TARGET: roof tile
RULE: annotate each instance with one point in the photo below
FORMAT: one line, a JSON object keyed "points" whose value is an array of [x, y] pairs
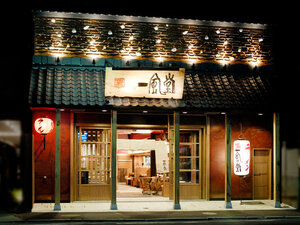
{"points": [[206, 90]]}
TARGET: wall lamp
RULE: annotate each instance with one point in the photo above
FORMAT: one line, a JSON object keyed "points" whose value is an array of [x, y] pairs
{"points": [[43, 126]]}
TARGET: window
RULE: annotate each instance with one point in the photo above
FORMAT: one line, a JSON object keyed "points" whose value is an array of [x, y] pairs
{"points": [[189, 157]]}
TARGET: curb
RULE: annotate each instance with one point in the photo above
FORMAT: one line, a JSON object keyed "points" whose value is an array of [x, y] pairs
{"points": [[20, 221]]}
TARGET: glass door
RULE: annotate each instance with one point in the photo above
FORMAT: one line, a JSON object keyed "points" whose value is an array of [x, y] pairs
{"points": [[94, 163], [190, 151]]}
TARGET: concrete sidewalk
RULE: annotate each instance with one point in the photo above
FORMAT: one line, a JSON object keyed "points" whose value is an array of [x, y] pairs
{"points": [[128, 205], [175, 216], [99, 212]]}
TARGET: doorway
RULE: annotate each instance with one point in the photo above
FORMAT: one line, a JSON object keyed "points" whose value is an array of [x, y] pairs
{"points": [[262, 174], [93, 163], [144, 167], [142, 164]]}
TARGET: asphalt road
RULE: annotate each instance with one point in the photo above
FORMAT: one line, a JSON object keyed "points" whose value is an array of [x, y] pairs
{"points": [[213, 222]]}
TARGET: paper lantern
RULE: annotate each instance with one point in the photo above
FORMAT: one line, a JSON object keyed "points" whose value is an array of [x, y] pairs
{"points": [[241, 157], [43, 125]]}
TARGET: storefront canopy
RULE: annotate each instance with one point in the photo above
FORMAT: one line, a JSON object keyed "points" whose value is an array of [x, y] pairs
{"points": [[69, 87]]}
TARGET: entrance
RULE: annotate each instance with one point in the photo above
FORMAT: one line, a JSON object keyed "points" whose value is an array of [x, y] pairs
{"points": [[262, 174], [93, 161], [144, 161], [142, 164]]}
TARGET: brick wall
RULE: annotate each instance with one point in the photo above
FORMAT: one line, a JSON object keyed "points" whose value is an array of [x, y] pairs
{"points": [[82, 37]]}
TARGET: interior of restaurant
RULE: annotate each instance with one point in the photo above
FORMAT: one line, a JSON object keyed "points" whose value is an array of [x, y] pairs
{"points": [[142, 163]]}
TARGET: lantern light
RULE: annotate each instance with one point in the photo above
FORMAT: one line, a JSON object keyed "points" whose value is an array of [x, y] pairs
{"points": [[241, 157], [43, 126]]}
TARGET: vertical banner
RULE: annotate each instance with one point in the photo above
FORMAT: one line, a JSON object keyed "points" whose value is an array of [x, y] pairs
{"points": [[241, 151]]}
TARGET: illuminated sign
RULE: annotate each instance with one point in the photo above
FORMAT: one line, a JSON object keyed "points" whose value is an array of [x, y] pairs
{"points": [[144, 83], [43, 125], [241, 151]]}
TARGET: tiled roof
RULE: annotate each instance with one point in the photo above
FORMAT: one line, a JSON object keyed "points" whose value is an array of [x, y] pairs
{"points": [[203, 90]]}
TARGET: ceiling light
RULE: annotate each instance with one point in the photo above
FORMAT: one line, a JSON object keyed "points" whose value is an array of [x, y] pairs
{"points": [[74, 31], [122, 26], [206, 37], [145, 111], [131, 38], [53, 20], [156, 28], [218, 31], [158, 41], [185, 32], [174, 49], [86, 27], [109, 32], [241, 30]]}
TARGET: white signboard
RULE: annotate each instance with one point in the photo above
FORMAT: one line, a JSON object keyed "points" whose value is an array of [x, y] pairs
{"points": [[144, 83], [241, 151], [161, 156]]}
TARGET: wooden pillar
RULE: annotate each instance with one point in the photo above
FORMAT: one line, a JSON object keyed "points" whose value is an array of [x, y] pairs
{"points": [[114, 160], [57, 161], [176, 160], [228, 161], [277, 160]]}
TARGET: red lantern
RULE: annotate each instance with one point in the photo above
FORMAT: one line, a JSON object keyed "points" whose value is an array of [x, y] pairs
{"points": [[43, 125]]}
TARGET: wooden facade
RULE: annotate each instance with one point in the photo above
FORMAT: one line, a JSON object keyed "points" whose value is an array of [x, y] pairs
{"points": [[257, 129], [69, 74]]}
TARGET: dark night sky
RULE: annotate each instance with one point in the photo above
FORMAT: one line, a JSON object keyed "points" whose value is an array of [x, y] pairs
{"points": [[16, 35]]}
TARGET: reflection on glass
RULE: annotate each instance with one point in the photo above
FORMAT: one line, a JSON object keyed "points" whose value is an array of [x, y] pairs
{"points": [[191, 177], [189, 157]]}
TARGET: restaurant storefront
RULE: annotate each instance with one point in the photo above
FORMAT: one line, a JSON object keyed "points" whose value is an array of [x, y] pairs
{"points": [[166, 109]]}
